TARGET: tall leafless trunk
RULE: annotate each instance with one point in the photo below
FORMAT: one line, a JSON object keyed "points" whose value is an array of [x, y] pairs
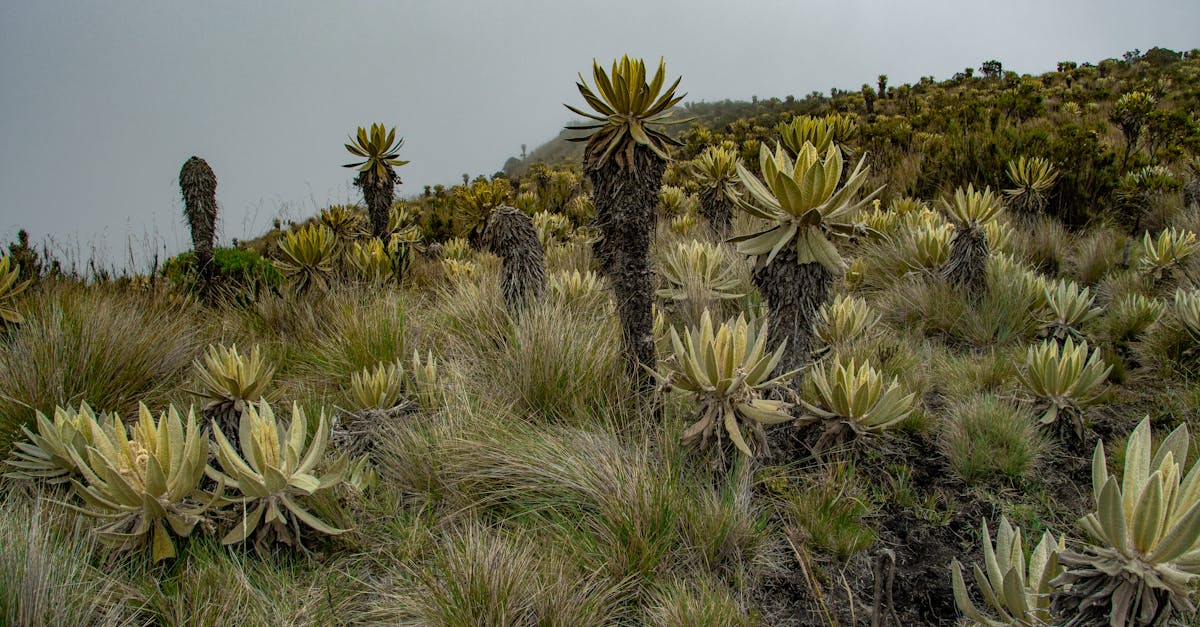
{"points": [[510, 235], [199, 186]]}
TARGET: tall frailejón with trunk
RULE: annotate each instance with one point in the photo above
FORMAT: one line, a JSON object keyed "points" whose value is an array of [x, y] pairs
{"points": [[199, 187], [377, 178], [510, 235], [625, 157], [794, 259]]}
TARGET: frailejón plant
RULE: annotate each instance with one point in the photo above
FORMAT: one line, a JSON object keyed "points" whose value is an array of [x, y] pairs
{"points": [[380, 153], [728, 369], [231, 382], [853, 400], [10, 287], [1063, 378], [1068, 308], [625, 157], [1016, 588], [273, 473], [971, 210], [804, 204], [1143, 560], [307, 256], [46, 455], [145, 481]]}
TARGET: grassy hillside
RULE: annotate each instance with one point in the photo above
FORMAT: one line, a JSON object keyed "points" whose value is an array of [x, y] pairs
{"points": [[451, 459]]}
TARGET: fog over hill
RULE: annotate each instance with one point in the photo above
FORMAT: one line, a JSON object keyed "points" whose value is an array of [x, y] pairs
{"points": [[102, 103]]}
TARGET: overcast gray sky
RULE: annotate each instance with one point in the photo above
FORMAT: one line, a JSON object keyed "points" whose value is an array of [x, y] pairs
{"points": [[102, 102]]}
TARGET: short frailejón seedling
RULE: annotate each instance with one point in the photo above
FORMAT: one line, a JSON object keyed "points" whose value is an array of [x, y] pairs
{"points": [[853, 400], [273, 474], [1015, 586], [146, 481], [1063, 378], [1144, 556], [46, 456], [728, 369], [230, 382]]}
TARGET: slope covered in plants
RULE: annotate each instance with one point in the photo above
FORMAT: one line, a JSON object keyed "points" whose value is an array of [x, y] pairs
{"points": [[906, 355]]}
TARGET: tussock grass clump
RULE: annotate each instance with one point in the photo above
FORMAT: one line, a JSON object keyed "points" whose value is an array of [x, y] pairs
{"points": [[483, 575], [919, 248], [723, 530], [1006, 313], [964, 374], [558, 364], [1044, 245], [924, 307], [215, 586], [984, 436], [468, 317], [627, 495], [286, 318], [1096, 254], [828, 511], [410, 457], [46, 577], [559, 361], [703, 602], [359, 332], [111, 349], [620, 505]]}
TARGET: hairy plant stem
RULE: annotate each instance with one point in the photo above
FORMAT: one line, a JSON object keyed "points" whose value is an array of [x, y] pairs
{"points": [[379, 195], [199, 186], [625, 199], [718, 210], [509, 233], [966, 268], [793, 293]]}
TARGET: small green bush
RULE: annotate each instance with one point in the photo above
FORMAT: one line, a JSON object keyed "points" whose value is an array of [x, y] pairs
{"points": [[240, 271]]}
